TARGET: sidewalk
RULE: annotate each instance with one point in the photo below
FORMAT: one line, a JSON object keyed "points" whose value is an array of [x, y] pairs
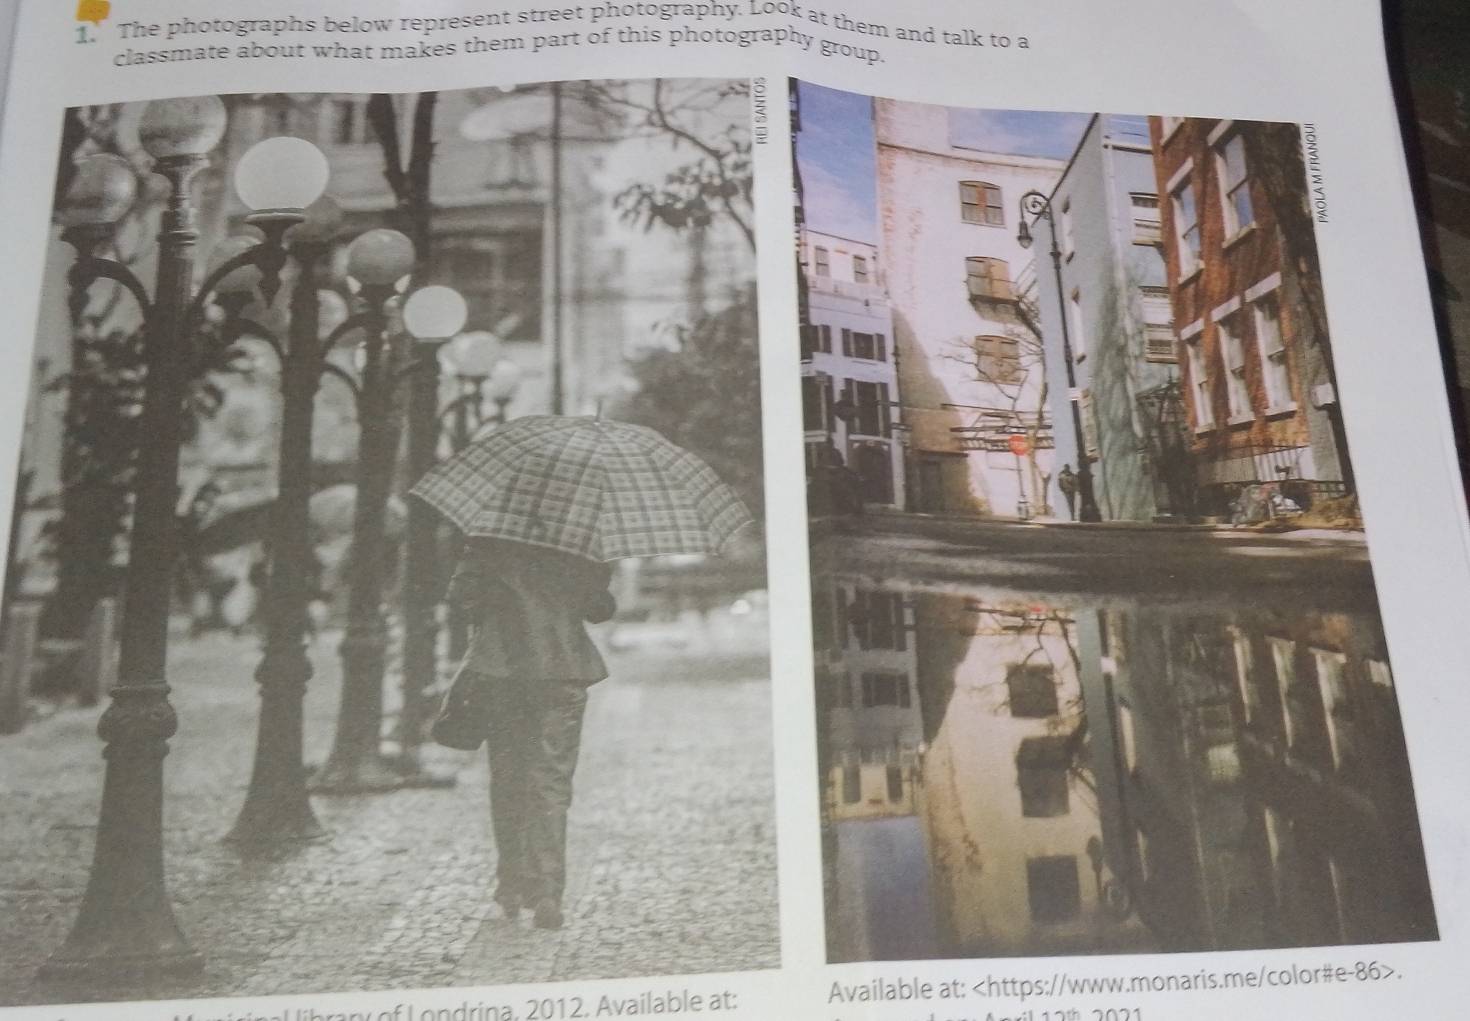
{"points": [[672, 853]]}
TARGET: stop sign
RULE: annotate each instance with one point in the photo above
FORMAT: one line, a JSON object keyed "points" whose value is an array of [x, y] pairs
{"points": [[1019, 446]]}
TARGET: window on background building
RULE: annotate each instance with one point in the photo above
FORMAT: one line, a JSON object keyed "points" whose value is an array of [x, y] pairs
{"points": [[1232, 355], [1275, 370], [1158, 325], [859, 269], [895, 783], [872, 347], [1041, 776], [1147, 228], [873, 461], [1283, 657], [989, 278], [822, 261], [1053, 888], [1235, 189], [1079, 325], [882, 688], [1332, 684], [816, 399], [982, 203], [1199, 384], [1069, 237], [1031, 690], [877, 620], [841, 689], [871, 403], [1186, 228], [998, 359]]}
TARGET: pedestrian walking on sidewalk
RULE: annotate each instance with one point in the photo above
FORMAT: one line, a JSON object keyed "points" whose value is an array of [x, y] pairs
{"points": [[522, 688], [1067, 483], [546, 503]]}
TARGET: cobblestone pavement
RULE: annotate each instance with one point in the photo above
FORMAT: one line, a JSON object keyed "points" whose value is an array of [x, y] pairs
{"points": [[672, 862]]}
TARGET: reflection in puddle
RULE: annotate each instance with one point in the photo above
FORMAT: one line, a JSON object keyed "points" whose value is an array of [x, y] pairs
{"points": [[1004, 776]]}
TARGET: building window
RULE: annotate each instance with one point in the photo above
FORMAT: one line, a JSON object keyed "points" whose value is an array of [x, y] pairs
{"points": [[1275, 370], [1128, 738], [815, 337], [1053, 888], [1283, 657], [885, 689], [998, 359], [870, 408], [988, 278], [981, 203], [1186, 228], [877, 620], [873, 461], [1235, 189], [1232, 355], [895, 783], [1031, 690], [1332, 684], [841, 690], [859, 269], [1158, 325], [1041, 776], [1069, 238], [871, 347], [1199, 385], [1079, 326], [822, 260], [816, 403], [1146, 226]]}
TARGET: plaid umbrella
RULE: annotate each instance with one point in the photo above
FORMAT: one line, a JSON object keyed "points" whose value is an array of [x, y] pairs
{"points": [[604, 490]]}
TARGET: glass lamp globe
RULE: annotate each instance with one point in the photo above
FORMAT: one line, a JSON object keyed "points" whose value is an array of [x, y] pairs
{"points": [[472, 355], [242, 280], [435, 312], [380, 257], [503, 381], [103, 190], [182, 127], [281, 173]]}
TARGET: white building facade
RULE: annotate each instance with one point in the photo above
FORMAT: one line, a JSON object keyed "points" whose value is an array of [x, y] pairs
{"points": [[849, 373], [969, 354]]}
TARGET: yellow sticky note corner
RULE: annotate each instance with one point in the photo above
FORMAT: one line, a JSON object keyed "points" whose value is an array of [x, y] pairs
{"points": [[95, 11]]}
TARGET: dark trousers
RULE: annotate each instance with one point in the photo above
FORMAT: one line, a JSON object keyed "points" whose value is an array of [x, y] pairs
{"points": [[535, 736]]}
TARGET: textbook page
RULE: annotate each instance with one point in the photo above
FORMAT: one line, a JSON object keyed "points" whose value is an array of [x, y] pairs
{"points": [[748, 509]]}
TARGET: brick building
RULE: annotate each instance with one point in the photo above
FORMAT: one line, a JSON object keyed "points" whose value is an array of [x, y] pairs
{"points": [[1256, 375]]}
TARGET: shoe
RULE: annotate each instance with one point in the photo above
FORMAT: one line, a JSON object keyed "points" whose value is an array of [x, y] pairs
{"points": [[548, 915], [510, 905]]}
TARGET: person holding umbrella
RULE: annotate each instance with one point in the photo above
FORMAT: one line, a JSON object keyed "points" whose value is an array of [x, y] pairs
{"points": [[546, 503]]}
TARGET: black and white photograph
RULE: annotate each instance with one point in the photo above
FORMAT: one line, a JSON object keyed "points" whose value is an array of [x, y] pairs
{"points": [[1099, 663], [386, 603]]}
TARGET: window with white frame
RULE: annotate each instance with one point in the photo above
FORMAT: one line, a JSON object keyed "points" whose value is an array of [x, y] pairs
{"points": [[1186, 227], [1232, 355], [1275, 369], [1069, 238], [822, 260], [859, 269], [981, 202], [1146, 226], [1079, 326], [1199, 384], [1158, 324], [1235, 186]]}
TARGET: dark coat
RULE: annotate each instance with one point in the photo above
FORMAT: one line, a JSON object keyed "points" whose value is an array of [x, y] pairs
{"points": [[528, 606]]}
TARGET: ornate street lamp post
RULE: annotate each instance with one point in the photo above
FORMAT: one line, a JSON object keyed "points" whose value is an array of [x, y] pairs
{"points": [[432, 315], [126, 926], [1035, 204], [377, 260]]}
